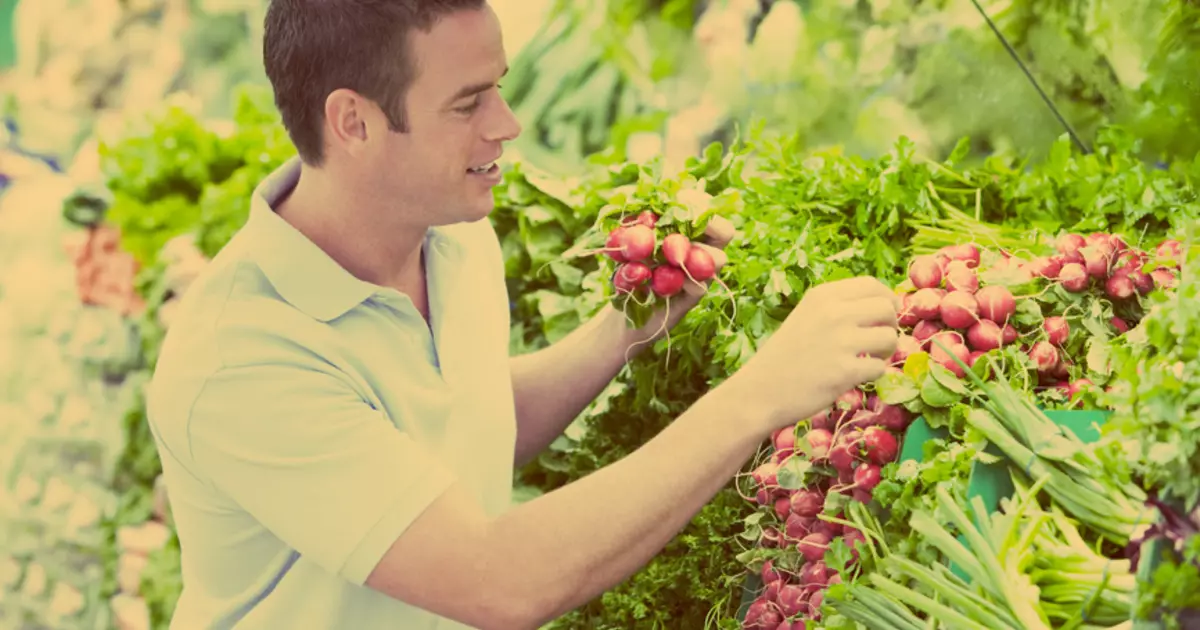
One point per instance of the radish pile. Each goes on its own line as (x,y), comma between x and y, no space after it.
(815,468)
(1039,318)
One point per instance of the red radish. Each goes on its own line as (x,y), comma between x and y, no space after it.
(648,218)
(815,602)
(850,402)
(1119,324)
(1009,334)
(1044,267)
(1130,260)
(813,547)
(667,280)
(867,476)
(925,330)
(1142,281)
(894,418)
(881,446)
(762,614)
(675,248)
(784,439)
(637,242)
(853,538)
(822,420)
(699,264)
(818,442)
(1074,277)
(778,457)
(814,573)
(797,527)
(973,358)
(966,253)
(630,276)
(907,318)
(771,537)
(1045,357)
(771,593)
(613,245)
(841,457)
(926,303)
(1078,387)
(792,600)
(947,359)
(763,497)
(874,403)
(807,503)
(1169,248)
(765,475)
(1069,244)
(783,506)
(959,309)
(1119,288)
(905,345)
(1057,330)
(832,530)
(1096,260)
(996,303)
(1164,278)
(959,277)
(985,335)
(925,272)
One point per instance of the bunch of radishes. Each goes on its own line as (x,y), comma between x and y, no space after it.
(652,258)
(952,314)
(847,445)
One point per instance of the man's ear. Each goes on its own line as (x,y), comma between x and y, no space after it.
(346,118)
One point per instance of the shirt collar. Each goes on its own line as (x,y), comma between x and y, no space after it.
(301,272)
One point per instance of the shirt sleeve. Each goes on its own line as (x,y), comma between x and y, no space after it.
(317,465)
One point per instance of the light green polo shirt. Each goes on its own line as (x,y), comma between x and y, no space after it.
(305,418)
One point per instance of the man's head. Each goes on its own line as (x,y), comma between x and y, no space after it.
(398,98)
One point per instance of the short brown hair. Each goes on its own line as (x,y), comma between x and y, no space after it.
(313,47)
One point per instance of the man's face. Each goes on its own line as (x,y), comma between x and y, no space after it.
(444,167)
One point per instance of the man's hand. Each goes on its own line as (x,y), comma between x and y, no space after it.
(717,235)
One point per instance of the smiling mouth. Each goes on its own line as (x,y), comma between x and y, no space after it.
(480,170)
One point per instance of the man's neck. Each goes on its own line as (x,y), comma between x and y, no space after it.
(358,234)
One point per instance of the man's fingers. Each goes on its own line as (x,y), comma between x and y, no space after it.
(719,232)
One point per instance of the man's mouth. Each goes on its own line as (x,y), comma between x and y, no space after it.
(481,170)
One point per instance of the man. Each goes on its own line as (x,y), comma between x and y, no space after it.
(338,436)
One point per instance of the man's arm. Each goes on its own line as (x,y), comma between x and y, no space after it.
(552,386)
(559,551)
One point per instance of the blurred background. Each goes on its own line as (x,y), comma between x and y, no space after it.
(135,129)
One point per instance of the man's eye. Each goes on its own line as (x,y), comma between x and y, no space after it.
(472,106)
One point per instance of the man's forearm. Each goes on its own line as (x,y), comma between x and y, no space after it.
(552,386)
(580,540)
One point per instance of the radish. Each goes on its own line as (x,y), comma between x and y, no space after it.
(966,253)
(631,276)
(762,615)
(1164,278)
(1009,334)
(946,359)
(850,402)
(648,218)
(1096,260)
(613,245)
(792,600)
(675,248)
(881,447)
(771,537)
(807,503)
(1069,243)
(783,506)
(905,346)
(925,272)
(1045,357)
(973,358)
(1057,330)
(959,309)
(1119,288)
(853,537)
(818,442)
(822,420)
(985,335)
(765,475)
(925,331)
(815,602)
(699,264)
(894,418)
(784,439)
(797,527)
(867,476)
(1169,249)
(907,318)
(832,530)
(842,458)
(813,547)
(771,593)
(926,303)
(815,573)
(1130,260)
(667,280)
(996,303)
(1142,281)
(1044,268)
(637,242)
(1074,277)
(960,277)
(1119,324)
(1078,387)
